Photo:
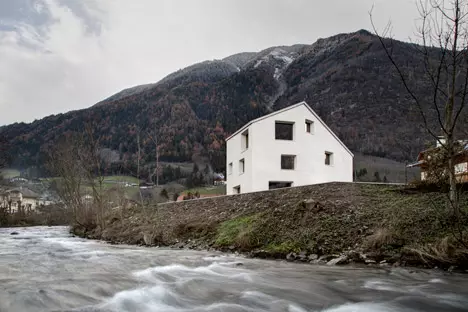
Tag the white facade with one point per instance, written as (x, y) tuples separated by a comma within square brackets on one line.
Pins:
[(256, 160)]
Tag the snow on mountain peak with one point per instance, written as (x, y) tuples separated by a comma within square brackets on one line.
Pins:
[(279, 58)]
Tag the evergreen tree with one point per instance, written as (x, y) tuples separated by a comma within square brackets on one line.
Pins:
[(377, 177), (164, 193)]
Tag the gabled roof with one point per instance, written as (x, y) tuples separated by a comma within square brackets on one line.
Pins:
[(25, 192), (420, 160), (284, 110)]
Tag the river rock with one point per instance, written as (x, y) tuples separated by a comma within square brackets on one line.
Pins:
[(14, 233), (355, 256), (313, 257), (343, 259), (302, 256), (326, 258), (291, 256)]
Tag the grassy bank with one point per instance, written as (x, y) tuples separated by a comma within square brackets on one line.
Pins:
[(368, 223)]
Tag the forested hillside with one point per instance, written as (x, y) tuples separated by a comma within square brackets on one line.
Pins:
[(347, 79)]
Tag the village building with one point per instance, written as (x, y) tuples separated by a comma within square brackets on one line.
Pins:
[(20, 199), (289, 147), (426, 164)]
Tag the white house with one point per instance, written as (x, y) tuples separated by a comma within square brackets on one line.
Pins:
[(289, 147), (19, 198)]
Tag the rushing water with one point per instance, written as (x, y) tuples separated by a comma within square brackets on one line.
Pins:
[(45, 269)]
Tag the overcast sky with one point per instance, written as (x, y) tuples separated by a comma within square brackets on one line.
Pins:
[(61, 55)]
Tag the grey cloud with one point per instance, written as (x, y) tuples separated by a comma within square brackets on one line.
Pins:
[(61, 55)]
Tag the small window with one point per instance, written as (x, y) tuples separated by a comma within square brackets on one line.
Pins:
[(272, 185), (241, 166), (245, 140), (309, 126), (328, 158), (284, 130), (236, 189), (461, 168), (230, 168), (288, 162)]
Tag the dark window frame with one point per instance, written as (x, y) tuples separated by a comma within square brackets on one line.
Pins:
[(272, 183), (328, 158), (286, 161), (279, 133), (245, 140), (242, 166), (309, 126)]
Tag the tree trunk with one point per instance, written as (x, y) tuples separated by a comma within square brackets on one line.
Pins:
[(453, 194)]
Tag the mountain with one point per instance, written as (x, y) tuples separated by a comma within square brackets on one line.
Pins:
[(347, 79)]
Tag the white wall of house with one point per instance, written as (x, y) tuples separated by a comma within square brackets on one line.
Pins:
[(234, 176), (263, 156)]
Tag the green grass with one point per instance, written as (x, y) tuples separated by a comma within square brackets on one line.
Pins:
[(120, 178), (236, 232), (8, 173)]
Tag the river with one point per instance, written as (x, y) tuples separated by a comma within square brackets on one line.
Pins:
[(46, 269)]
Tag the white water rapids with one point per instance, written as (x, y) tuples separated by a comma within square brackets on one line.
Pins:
[(45, 269)]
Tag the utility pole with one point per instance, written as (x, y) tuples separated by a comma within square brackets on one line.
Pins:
[(406, 172), (154, 138), (157, 161)]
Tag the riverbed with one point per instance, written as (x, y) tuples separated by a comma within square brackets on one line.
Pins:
[(47, 269)]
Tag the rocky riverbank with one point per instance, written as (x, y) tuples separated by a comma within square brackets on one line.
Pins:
[(335, 223)]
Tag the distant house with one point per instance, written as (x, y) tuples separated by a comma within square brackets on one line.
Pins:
[(20, 199), (289, 147), (18, 180), (461, 160), (219, 179), (87, 199)]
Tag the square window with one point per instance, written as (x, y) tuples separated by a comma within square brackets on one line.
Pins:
[(328, 158), (284, 130), (309, 125), (230, 168), (241, 166), (288, 162)]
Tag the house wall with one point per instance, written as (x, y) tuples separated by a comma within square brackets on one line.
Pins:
[(264, 154), (234, 154), (461, 169), (29, 201)]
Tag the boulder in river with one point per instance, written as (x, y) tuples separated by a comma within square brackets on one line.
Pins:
[(14, 233), (343, 259), (291, 256)]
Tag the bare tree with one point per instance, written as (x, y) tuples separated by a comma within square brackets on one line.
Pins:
[(154, 138), (77, 164), (442, 47), (94, 170), (65, 163)]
